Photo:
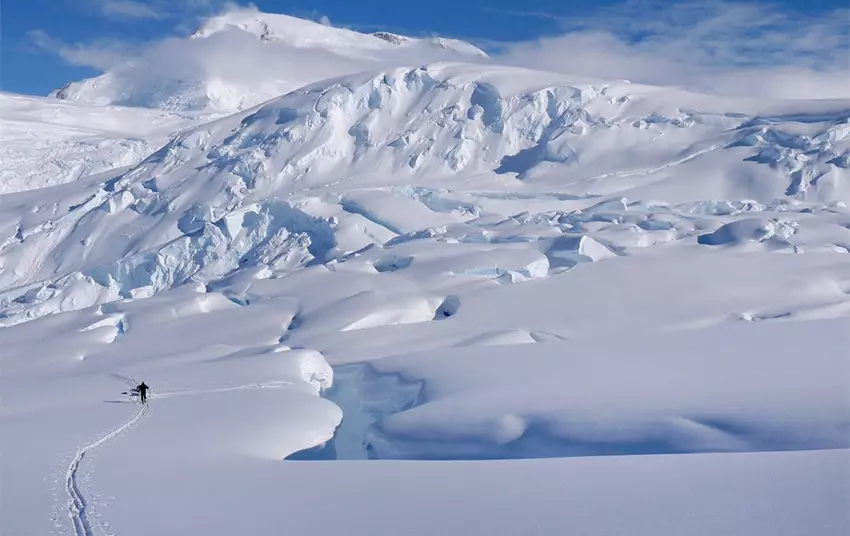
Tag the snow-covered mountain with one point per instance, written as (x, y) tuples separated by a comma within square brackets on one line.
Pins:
[(447, 260), (305, 34), (244, 57), (315, 170)]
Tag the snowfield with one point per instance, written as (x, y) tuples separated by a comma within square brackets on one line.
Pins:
[(45, 143), (442, 297)]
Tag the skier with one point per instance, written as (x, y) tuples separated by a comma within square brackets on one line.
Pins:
[(143, 392)]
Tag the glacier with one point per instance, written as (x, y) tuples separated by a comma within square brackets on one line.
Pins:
[(440, 296)]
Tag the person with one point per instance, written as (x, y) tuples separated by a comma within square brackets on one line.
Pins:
[(143, 392)]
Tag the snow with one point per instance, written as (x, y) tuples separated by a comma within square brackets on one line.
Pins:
[(674, 398), (44, 142), (396, 156), (431, 298), (594, 495)]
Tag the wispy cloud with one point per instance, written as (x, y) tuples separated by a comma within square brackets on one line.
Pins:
[(711, 46), (103, 54), (715, 46), (129, 9), (106, 54), (241, 67), (526, 14)]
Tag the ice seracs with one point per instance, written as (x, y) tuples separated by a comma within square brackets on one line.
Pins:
[(442, 151)]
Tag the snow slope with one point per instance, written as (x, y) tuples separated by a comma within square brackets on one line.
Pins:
[(450, 151), (439, 299), (243, 57), (44, 142)]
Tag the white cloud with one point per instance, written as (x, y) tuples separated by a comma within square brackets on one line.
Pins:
[(229, 67), (751, 49), (129, 9), (106, 54), (754, 49), (101, 55)]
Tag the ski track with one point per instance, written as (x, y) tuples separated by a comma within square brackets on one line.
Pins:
[(263, 385), (647, 171), (77, 504)]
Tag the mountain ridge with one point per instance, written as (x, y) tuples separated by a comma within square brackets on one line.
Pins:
[(298, 180)]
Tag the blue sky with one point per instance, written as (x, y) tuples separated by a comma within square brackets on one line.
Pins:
[(33, 30)]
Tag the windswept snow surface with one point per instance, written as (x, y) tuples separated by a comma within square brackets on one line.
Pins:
[(440, 299)]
